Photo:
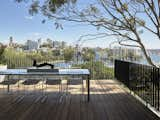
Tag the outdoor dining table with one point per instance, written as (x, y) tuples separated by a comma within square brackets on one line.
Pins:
[(61, 72)]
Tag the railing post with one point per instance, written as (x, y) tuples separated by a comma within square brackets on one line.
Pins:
[(158, 85), (128, 80), (153, 86)]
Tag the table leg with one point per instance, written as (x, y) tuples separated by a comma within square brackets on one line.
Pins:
[(88, 87), (8, 88), (8, 84), (43, 91)]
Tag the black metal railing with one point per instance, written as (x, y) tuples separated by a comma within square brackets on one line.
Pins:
[(141, 79)]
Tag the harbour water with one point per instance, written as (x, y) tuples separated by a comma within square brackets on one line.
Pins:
[(155, 58), (63, 64)]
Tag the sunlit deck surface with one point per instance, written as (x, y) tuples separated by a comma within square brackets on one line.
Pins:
[(108, 102)]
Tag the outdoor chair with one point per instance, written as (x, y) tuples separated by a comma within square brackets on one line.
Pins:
[(74, 81), (54, 81), (31, 82), (9, 82)]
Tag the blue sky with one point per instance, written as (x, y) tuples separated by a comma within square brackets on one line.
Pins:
[(15, 21)]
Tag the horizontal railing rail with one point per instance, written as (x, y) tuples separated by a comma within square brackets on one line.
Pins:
[(141, 79)]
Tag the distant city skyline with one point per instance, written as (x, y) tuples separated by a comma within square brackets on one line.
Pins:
[(16, 22)]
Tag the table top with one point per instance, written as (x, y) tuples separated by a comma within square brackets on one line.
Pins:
[(61, 72)]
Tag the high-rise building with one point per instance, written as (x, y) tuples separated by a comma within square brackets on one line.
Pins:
[(39, 42), (11, 44), (31, 45)]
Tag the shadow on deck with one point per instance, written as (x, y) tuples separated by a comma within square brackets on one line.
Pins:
[(108, 102)]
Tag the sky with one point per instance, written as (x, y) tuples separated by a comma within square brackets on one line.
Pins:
[(16, 22)]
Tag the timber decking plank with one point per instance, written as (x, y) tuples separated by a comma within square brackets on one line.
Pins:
[(117, 104), (53, 107), (74, 108), (108, 102), (133, 110), (99, 111)]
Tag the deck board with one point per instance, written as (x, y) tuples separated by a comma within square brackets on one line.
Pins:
[(108, 101)]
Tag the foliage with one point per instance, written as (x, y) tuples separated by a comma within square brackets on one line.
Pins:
[(98, 70), (88, 54), (110, 55), (16, 59), (2, 60), (56, 52), (133, 56), (68, 54)]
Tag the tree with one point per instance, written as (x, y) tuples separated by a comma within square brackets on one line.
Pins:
[(56, 52), (50, 43), (125, 19), (15, 59), (2, 49), (110, 55), (88, 54), (98, 70), (132, 56), (68, 53)]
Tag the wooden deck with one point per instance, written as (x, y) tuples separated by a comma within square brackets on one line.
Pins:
[(108, 101)]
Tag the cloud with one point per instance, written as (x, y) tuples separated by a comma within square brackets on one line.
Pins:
[(37, 34), (28, 17)]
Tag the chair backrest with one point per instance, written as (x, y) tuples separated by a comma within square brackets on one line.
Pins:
[(9, 82), (53, 81), (31, 81), (75, 80)]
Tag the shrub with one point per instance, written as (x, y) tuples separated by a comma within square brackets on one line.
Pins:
[(98, 70)]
